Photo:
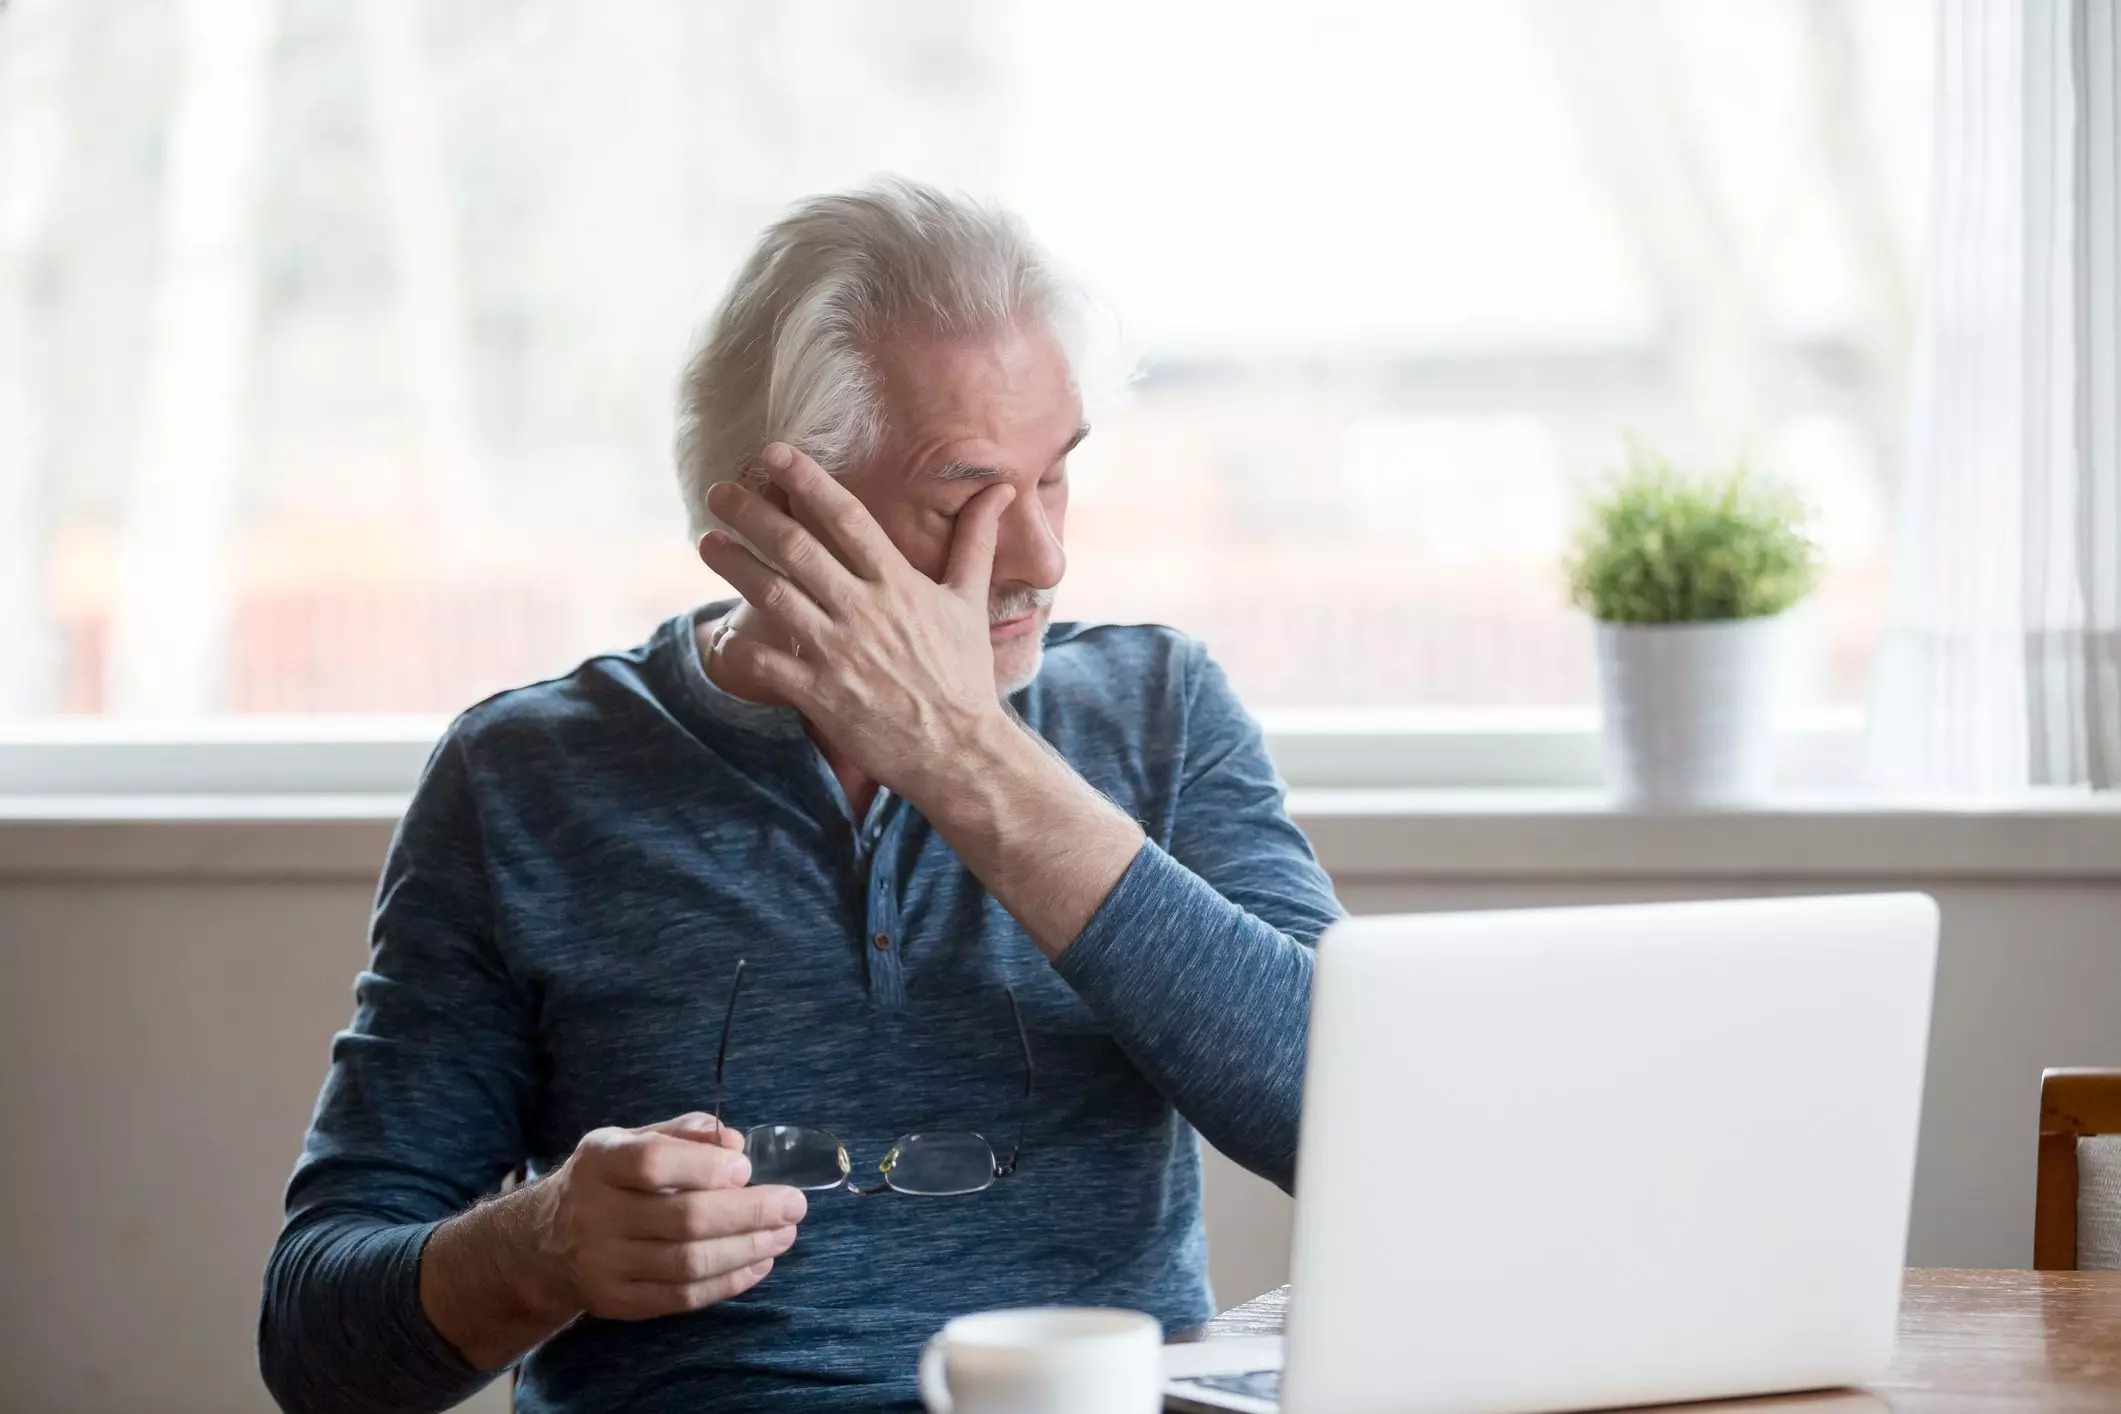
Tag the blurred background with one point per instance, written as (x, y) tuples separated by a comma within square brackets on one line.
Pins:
[(337, 343)]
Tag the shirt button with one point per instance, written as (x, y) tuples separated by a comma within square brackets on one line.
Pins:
[(882, 941)]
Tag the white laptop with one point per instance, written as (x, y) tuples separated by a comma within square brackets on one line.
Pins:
[(1581, 1158)]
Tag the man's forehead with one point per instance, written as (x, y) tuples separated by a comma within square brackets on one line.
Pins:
[(966, 389), (961, 407)]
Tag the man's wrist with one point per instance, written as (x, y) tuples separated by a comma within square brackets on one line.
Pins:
[(490, 1283), (964, 785), (1044, 841), (548, 1287)]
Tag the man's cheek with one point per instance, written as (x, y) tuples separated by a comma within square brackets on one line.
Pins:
[(931, 560), (924, 550)]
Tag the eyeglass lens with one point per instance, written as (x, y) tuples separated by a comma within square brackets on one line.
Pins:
[(809, 1159), (944, 1164)]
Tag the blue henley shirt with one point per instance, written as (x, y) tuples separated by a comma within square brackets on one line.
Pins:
[(563, 904)]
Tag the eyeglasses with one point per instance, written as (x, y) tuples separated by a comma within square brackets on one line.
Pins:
[(944, 1163)]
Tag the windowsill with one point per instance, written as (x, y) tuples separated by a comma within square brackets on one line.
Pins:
[(1360, 834), (1502, 834)]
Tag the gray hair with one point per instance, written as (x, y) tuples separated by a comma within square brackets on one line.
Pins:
[(788, 356)]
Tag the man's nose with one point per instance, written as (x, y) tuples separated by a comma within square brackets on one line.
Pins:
[(1027, 545)]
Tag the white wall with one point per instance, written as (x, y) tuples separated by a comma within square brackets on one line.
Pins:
[(161, 1042)]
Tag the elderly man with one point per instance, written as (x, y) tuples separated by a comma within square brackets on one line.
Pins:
[(842, 866)]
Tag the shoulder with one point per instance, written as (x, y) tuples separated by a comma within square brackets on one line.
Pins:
[(1120, 660), (1134, 708), (1129, 679), (608, 704)]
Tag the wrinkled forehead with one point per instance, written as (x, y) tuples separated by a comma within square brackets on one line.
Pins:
[(1010, 391)]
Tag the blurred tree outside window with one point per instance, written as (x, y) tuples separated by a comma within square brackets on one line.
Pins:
[(338, 337)]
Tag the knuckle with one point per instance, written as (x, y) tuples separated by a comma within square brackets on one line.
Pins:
[(601, 1143), (696, 1216), (647, 1165), (779, 1207), (620, 1163), (721, 1212)]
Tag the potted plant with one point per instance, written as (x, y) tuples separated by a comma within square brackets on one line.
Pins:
[(1690, 580)]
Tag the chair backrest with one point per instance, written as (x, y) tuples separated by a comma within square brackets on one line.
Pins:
[(2077, 1198)]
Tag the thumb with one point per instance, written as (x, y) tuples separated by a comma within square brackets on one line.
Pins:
[(697, 1126), (972, 548)]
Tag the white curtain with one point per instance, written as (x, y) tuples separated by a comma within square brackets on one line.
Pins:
[(2001, 666)]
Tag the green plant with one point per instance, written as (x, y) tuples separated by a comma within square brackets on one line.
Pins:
[(1657, 547)]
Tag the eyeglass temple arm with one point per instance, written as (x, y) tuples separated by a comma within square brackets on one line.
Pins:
[(1023, 1113), (721, 1052)]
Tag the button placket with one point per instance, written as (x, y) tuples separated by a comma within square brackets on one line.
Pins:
[(886, 973)]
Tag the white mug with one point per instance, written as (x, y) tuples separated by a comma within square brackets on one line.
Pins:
[(1045, 1360)]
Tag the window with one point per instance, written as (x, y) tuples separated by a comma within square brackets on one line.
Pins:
[(337, 340)]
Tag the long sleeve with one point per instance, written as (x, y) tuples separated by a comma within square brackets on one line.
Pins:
[(420, 1115), (1200, 958)]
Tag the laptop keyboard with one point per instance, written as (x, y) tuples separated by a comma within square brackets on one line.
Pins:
[(1259, 1384)]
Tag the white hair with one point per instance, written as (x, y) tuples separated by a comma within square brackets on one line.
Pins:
[(789, 355)]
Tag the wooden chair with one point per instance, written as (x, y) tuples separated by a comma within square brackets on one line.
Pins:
[(2078, 1106)]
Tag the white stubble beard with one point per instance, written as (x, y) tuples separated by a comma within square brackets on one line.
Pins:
[(1009, 606)]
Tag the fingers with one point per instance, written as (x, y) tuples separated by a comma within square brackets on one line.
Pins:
[(972, 548), (786, 607), (831, 513), (687, 1263), (654, 1220), (782, 541), (700, 1127), (644, 1161), (695, 1216), (790, 677), (640, 1300)]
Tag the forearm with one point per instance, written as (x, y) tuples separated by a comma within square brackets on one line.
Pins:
[(373, 1315), (341, 1329), (1210, 1001), (1046, 844), (486, 1285)]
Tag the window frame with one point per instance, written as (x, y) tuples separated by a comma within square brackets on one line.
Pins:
[(1368, 749)]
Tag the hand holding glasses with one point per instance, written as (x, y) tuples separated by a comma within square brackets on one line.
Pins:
[(945, 1163)]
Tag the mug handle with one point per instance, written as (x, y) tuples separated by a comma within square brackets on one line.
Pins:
[(935, 1378)]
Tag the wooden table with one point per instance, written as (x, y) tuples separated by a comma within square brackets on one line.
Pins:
[(1988, 1341)]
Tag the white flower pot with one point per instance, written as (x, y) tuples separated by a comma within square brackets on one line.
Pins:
[(1689, 711)]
